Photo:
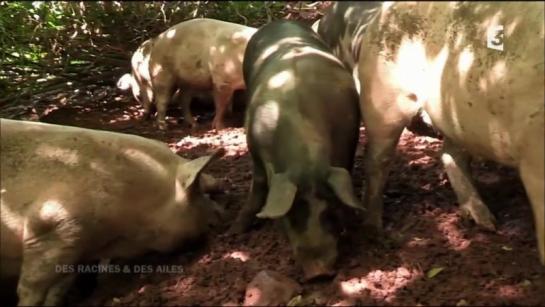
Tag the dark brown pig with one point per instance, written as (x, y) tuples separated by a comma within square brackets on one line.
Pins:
[(71, 195), (302, 126)]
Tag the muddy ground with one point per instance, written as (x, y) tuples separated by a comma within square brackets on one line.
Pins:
[(427, 231)]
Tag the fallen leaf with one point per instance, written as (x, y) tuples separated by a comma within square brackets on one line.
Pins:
[(296, 301), (433, 272), (506, 248), (526, 283)]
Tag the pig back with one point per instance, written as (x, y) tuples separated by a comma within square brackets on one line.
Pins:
[(85, 171), (317, 112), (343, 26), (194, 50), (277, 36)]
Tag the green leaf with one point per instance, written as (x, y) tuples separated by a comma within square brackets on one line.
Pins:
[(433, 272), (296, 301), (526, 283)]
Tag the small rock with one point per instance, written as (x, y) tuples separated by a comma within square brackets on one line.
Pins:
[(270, 288)]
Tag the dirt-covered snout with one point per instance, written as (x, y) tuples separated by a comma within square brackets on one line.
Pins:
[(307, 213), (201, 195)]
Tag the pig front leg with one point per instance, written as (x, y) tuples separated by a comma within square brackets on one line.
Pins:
[(39, 283), (163, 96), (222, 98), (146, 100), (456, 163), (382, 140), (256, 200)]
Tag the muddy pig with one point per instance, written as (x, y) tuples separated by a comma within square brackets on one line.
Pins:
[(195, 56), (139, 82), (302, 126), (477, 70), (72, 195)]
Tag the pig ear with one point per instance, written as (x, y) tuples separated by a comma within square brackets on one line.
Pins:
[(191, 170), (280, 198), (340, 181)]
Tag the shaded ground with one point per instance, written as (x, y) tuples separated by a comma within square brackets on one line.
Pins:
[(478, 267)]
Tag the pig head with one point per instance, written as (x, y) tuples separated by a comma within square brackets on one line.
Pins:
[(70, 195)]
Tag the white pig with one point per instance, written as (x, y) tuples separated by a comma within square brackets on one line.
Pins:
[(193, 56), (139, 82), (476, 68), (70, 195)]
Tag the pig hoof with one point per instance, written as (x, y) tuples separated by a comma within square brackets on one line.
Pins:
[(192, 124), (162, 126), (218, 126), (317, 270), (373, 228), (481, 215), (236, 229)]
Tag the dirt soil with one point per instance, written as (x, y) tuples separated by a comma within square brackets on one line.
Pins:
[(426, 231)]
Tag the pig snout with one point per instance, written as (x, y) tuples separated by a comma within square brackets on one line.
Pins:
[(124, 83), (314, 269), (217, 214)]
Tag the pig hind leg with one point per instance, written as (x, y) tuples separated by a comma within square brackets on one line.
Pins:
[(162, 98), (456, 163), (382, 140), (57, 292), (532, 172), (256, 200), (222, 97), (39, 282)]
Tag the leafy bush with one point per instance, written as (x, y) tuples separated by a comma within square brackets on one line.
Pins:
[(45, 44)]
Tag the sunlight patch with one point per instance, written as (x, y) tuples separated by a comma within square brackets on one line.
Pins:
[(233, 140), (378, 283), (171, 33), (65, 156), (464, 63), (498, 72), (280, 79), (353, 286), (52, 210), (142, 157), (267, 116), (455, 238), (242, 256)]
